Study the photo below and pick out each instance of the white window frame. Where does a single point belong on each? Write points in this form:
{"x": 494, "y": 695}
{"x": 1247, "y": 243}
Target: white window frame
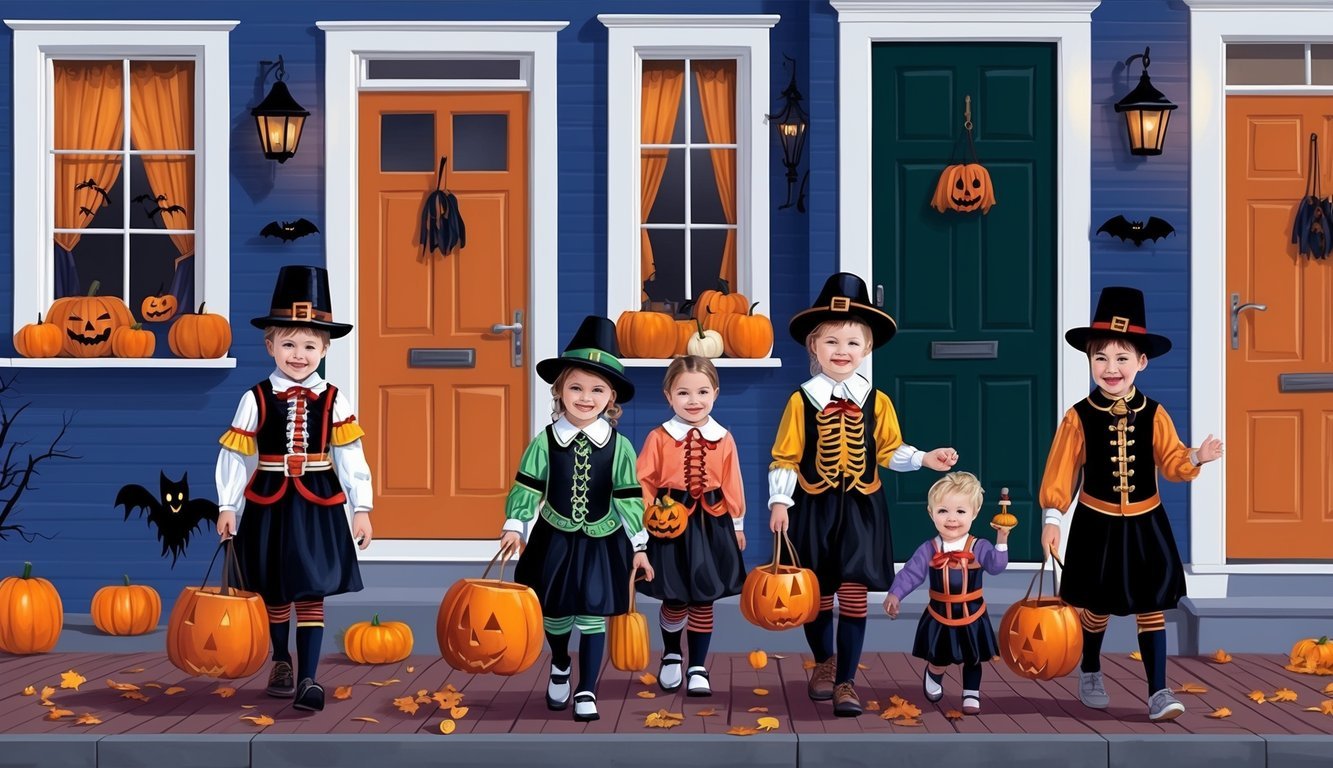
{"x": 36, "y": 44}
{"x": 635, "y": 37}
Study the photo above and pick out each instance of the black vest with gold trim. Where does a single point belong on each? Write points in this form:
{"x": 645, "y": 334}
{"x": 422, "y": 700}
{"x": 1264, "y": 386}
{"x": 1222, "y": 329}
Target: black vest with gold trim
{"x": 1118, "y": 465}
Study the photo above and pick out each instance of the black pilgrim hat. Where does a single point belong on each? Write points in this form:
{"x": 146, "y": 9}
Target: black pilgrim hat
{"x": 593, "y": 348}
{"x": 301, "y": 300}
{"x": 844, "y": 297}
{"x": 1120, "y": 315}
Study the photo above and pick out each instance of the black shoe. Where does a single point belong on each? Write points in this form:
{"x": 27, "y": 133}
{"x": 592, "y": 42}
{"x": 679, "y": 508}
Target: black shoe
{"x": 585, "y": 707}
{"x": 309, "y": 696}
{"x": 557, "y": 689}
{"x": 281, "y": 682}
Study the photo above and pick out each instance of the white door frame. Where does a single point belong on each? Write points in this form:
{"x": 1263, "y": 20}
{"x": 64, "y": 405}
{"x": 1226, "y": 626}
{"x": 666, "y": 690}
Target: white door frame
{"x": 347, "y": 47}
{"x": 1213, "y": 23}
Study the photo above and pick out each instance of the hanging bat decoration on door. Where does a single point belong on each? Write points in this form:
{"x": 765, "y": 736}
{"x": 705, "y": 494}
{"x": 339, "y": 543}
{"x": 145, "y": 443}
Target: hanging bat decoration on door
{"x": 1137, "y": 231}
{"x": 171, "y": 511}
{"x": 289, "y": 230}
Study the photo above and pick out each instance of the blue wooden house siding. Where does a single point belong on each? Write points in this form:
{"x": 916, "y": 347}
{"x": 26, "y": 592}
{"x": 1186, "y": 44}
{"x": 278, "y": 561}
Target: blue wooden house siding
{"x": 130, "y": 423}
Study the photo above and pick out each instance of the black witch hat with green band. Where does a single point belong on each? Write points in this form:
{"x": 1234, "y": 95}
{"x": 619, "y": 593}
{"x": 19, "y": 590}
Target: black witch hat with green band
{"x": 593, "y": 348}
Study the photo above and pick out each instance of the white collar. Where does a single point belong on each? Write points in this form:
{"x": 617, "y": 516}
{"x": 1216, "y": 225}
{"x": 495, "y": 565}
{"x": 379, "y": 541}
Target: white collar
{"x": 598, "y": 432}
{"x": 951, "y": 546}
{"x": 711, "y": 430}
{"x": 313, "y": 382}
{"x": 821, "y": 389}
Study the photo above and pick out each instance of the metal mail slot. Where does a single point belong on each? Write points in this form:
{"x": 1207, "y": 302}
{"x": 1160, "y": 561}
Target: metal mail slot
{"x": 442, "y": 358}
{"x": 964, "y": 350}
{"x": 1305, "y": 382}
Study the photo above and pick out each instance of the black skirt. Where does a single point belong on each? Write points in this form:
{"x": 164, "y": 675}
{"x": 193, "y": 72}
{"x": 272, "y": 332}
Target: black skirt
{"x": 942, "y": 645}
{"x": 575, "y": 574}
{"x": 701, "y": 565}
{"x": 296, "y": 550}
{"x": 844, "y": 538}
{"x": 1122, "y": 565}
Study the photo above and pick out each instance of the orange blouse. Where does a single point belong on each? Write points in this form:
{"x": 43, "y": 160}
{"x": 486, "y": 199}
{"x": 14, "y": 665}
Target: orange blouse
{"x": 663, "y": 463}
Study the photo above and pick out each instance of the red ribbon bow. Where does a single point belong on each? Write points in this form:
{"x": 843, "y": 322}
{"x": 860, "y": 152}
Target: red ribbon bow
{"x": 846, "y": 406}
{"x": 292, "y": 392}
{"x": 948, "y": 559}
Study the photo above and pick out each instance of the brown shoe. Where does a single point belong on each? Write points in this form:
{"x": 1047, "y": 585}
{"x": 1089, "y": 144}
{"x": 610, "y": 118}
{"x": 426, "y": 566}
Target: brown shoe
{"x": 845, "y": 702}
{"x": 821, "y": 679}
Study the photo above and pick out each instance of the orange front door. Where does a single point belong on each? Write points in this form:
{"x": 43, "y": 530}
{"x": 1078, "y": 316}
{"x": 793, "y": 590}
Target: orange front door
{"x": 444, "y": 397}
{"x": 1279, "y": 429}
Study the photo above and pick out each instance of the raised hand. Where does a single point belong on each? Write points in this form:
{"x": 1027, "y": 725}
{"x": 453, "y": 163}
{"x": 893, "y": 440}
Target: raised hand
{"x": 1209, "y": 450}
{"x": 940, "y": 459}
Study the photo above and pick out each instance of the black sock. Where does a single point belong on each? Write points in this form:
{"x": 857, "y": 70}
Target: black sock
{"x": 559, "y": 649}
{"x": 671, "y": 639}
{"x": 851, "y": 635}
{"x": 819, "y": 634}
{"x": 591, "y": 647}
{"x": 1152, "y": 646}
{"x": 972, "y": 677}
{"x": 1092, "y": 651}
{"x": 308, "y": 640}
{"x": 279, "y": 632}
{"x": 699, "y": 648}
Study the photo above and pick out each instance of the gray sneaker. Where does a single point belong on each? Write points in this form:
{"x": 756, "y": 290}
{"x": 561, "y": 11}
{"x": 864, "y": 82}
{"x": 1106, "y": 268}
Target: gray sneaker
{"x": 1092, "y": 691}
{"x": 1163, "y": 706}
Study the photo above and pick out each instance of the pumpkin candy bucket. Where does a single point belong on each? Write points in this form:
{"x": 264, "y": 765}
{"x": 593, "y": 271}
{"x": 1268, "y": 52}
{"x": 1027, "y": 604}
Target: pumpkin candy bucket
{"x": 627, "y": 636}
{"x": 490, "y": 625}
{"x": 221, "y": 631}
{"x": 1040, "y": 638}
{"x": 777, "y": 596}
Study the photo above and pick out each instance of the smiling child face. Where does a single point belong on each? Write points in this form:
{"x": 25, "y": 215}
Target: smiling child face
{"x": 839, "y": 349}
{"x": 297, "y": 353}
{"x": 584, "y": 396}
{"x": 1114, "y": 368}
{"x": 953, "y": 515}
{"x": 691, "y": 396}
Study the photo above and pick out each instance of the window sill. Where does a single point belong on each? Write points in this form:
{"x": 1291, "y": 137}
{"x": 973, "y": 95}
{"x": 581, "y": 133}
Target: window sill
{"x": 116, "y": 362}
{"x": 720, "y": 362}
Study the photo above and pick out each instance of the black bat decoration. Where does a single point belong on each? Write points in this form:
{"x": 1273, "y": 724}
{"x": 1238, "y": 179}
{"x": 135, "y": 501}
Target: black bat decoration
{"x": 85, "y": 210}
{"x": 1137, "y": 231}
{"x": 289, "y": 230}
{"x": 159, "y": 209}
{"x": 174, "y": 513}
{"x": 92, "y": 184}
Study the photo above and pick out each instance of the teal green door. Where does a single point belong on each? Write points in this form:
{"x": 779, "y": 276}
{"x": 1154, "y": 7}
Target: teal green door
{"x": 973, "y": 363}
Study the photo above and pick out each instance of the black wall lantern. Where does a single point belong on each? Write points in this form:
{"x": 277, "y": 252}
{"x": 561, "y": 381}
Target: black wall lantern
{"x": 792, "y": 123}
{"x": 279, "y": 117}
{"x": 1146, "y": 111}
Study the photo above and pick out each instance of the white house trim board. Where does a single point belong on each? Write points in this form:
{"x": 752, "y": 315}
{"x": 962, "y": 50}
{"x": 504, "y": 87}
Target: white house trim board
{"x": 36, "y": 42}
{"x": 633, "y": 37}
{"x": 1213, "y": 24}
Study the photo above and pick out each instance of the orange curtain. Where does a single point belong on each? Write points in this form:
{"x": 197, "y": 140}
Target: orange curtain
{"x": 662, "y": 84}
{"x": 162, "y": 117}
{"x": 717, "y": 94}
{"x": 89, "y": 96}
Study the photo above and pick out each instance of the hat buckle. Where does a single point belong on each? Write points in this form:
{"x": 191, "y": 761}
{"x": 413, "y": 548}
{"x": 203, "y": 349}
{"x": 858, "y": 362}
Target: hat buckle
{"x": 302, "y": 310}
{"x": 1119, "y": 324}
{"x": 840, "y": 304}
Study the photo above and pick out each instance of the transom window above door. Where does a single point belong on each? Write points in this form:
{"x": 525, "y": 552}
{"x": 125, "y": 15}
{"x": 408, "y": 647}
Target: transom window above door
{"x": 1295, "y": 64}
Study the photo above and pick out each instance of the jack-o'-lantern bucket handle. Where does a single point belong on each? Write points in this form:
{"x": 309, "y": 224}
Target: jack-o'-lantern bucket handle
{"x": 1037, "y": 577}
{"x": 779, "y": 538}
{"x": 229, "y": 568}
{"x": 635, "y": 576}
{"x": 503, "y": 563}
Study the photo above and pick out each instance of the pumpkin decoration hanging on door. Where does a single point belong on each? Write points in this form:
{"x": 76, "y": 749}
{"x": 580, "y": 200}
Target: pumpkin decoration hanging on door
{"x": 965, "y": 187}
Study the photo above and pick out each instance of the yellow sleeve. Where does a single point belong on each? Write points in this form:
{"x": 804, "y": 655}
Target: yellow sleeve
{"x": 347, "y": 432}
{"x": 236, "y": 440}
{"x": 1063, "y": 464}
{"x": 888, "y": 436}
{"x": 1171, "y": 455}
{"x": 790, "y": 442}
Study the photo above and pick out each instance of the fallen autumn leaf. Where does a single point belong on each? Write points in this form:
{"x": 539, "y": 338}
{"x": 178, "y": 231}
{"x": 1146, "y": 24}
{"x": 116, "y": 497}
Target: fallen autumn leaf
{"x": 173, "y": 690}
{"x": 342, "y": 692}
{"x": 366, "y": 719}
{"x": 72, "y": 679}
{"x": 768, "y": 724}
{"x": 1220, "y": 657}
{"x": 225, "y": 692}
{"x": 261, "y": 721}
{"x": 407, "y": 705}
{"x": 1220, "y": 712}
{"x": 87, "y": 719}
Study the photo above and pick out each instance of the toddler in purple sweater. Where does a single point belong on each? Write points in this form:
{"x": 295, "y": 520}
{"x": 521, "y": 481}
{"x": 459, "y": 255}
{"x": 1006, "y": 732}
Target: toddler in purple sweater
{"x": 954, "y": 628}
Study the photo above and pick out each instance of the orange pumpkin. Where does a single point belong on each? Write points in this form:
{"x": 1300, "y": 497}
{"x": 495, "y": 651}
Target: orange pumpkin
{"x": 779, "y": 596}
{"x": 1040, "y": 638}
{"x": 87, "y": 322}
{"x": 373, "y": 642}
{"x": 1005, "y": 520}
{"x": 31, "y": 614}
{"x": 218, "y": 632}
{"x": 758, "y": 659}
{"x": 964, "y": 188}
{"x": 1311, "y": 655}
{"x": 200, "y": 335}
{"x": 159, "y": 308}
{"x": 747, "y": 334}
{"x": 666, "y": 519}
{"x": 684, "y": 332}
{"x": 128, "y": 609}
{"x": 133, "y": 341}
{"x": 719, "y": 302}
{"x": 646, "y": 334}
{"x": 44, "y": 339}
{"x": 489, "y": 626}
{"x": 627, "y": 636}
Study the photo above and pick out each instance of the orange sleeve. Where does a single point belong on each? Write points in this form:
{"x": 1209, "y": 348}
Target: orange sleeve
{"x": 733, "y": 493}
{"x": 648, "y": 467}
{"x": 790, "y": 442}
{"x": 1171, "y": 455}
{"x": 1063, "y": 464}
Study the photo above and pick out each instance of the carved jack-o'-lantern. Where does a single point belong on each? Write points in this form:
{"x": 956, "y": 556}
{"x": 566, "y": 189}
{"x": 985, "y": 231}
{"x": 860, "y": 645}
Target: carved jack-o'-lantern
{"x": 489, "y": 626}
{"x": 159, "y": 308}
{"x": 779, "y": 596}
{"x": 666, "y": 519}
{"x": 218, "y": 632}
{"x": 1040, "y": 638}
{"x": 87, "y": 322}
{"x": 964, "y": 188}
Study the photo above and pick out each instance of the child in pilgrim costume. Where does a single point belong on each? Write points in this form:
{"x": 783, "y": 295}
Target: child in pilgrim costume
{"x": 578, "y": 499}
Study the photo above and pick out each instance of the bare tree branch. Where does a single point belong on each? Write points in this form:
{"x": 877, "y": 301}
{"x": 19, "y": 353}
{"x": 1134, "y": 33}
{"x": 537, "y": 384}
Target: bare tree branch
{"x": 17, "y": 471}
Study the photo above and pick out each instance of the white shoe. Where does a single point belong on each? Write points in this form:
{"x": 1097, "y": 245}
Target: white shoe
{"x": 668, "y": 675}
{"x": 585, "y": 707}
{"x": 698, "y": 685}
{"x": 557, "y": 689}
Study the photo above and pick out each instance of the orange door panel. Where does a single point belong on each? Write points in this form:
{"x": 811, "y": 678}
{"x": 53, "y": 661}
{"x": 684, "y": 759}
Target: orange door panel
{"x": 1279, "y": 443}
{"x": 444, "y": 401}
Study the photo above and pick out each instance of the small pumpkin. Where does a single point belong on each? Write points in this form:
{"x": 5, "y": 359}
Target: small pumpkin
{"x": 1312, "y": 655}
{"x": 666, "y": 519}
{"x": 200, "y": 335}
{"x": 87, "y": 322}
{"x": 489, "y": 626}
{"x": 747, "y": 335}
{"x": 31, "y": 614}
{"x": 646, "y": 334}
{"x": 964, "y": 188}
{"x": 126, "y": 609}
{"x": 758, "y": 659}
{"x": 1005, "y": 520}
{"x": 159, "y": 308}
{"x": 705, "y": 343}
{"x": 376, "y": 642}
{"x": 1040, "y": 638}
{"x": 719, "y": 302}
{"x": 41, "y": 339}
{"x": 627, "y": 636}
{"x": 218, "y": 632}
{"x": 133, "y": 341}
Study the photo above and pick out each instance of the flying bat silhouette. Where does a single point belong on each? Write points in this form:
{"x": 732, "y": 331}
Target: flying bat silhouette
{"x": 173, "y": 512}
{"x": 92, "y": 184}
{"x": 1136, "y": 231}
{"x": 289, "y": 230}
{"x": 160, "y": 208}
{"x": 85, "y": 210}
